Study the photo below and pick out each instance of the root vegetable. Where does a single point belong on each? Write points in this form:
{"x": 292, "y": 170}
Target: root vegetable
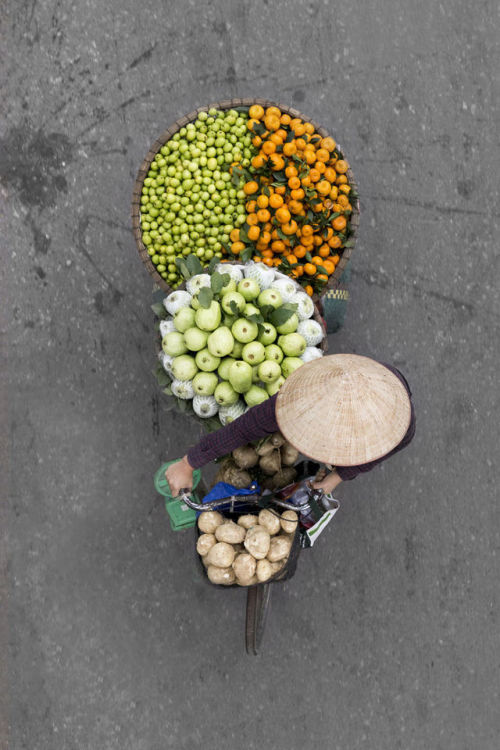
{"x": 264, "y": 570}
{"x": 244, "y": 567}
{"x": 205, "y": 543}
{"x": 277, "y": 439}
{"x": 277, "y": 566}
{"x": 269, "y": 521}
{"x": 289, "y": 454}
{"x": 279, "y": 548}
{"x": 247, "y": 521}
{"x": 271, "y": 463}
{"x": 209, "y": 520}
{"x": 232, "y": 474}
{"x": 283, "y": 478}
{"x": 289, "y": 521}
{"x": 245, "y": 456}
{"x": 223, "y": 576}
{"x": 221, "y": 555}
{"x": 230, "y": 532}
{"x": 257, "y": 542}
{"x": 264, "y": 448}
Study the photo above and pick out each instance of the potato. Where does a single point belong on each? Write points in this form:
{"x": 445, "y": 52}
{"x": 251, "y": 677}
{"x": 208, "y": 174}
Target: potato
{"x": 230, "y": 532}
{"x": 204, "y": 544}
{"x": 277, "y": 439}
{"x": 277, "y": 566}
{"x": 289, "y": 521}
{"x": 279, "y": 548}
{"x": 247, "y": 521}
{"x": 271, "y": 463}
{"x": 265, "y": 447}
{"x": 264, "y": 570}
{"x": 221, "y": 555}
{"x": 245, "y": 456}
{"x": 209, "y": 520}
{"x": 224, "y": 576}
{"x": 257, "y": 542}
{"x": 244, "y": 567}
{"x": 289, "y": 454}
{"x": 283, "y": 478}
{"x": 269, "y": 521}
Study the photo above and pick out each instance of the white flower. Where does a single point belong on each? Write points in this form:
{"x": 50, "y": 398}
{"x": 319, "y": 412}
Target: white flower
{"x": 263, "y": 275}
{"x": 176, "y": 300}
{"x": 286, "y": 287}
{"x": 183, "y": 389}
{"x": 312, "y": 331}
{"x": 166, "y": 362}
{"x": 310, "y": 353}
{"x": 194, "y": 284}
{"x": 228, "y": 414}
{"x": 305, "y": 305}
{"x": 233, "y": 271}
{"x": 205, "y": 406}
{"x": 166, "y": 326}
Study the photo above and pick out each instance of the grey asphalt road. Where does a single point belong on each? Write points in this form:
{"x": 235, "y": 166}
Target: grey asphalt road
{"x": 388, "y": 637}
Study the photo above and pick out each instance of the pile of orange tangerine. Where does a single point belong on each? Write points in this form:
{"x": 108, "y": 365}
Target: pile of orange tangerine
{"x": 297, "y": 208}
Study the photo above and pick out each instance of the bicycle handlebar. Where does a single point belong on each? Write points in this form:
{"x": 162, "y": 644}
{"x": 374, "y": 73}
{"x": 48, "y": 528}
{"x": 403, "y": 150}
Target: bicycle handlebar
{"x": 234, "y": 499}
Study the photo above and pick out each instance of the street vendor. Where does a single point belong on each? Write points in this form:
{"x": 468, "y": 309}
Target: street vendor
{"x": 346, "y": 411}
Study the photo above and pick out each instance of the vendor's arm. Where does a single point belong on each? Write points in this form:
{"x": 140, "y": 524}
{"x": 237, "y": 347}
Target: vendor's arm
{"x": 257, "y": 422}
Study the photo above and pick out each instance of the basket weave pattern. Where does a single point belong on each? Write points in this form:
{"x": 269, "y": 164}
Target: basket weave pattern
{"x": 174, "y": 128}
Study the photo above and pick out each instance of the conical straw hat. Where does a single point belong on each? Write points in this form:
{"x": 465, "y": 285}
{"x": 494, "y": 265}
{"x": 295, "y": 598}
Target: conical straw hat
{"x": 343, "y": 410}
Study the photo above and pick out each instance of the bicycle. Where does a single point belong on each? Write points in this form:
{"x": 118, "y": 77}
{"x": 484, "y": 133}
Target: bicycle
{"x": 259, "y": 594}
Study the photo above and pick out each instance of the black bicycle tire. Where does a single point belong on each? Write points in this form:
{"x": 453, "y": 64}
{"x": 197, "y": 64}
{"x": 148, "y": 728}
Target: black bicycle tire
{"x": 258, "y": 599}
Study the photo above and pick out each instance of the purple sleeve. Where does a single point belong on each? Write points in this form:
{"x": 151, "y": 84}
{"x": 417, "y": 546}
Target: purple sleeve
{"x": 256, "y": 423}
{"x": 351, "y": 472}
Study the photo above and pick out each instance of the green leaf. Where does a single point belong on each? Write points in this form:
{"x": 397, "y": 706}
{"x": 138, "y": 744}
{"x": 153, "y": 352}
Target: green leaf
{"x": 162, "y": 377}
{"x": 258, "y": 129}
{"x": 308, "y": 257}
{"x": 315, "y": 139}
{"x": 168, "y": 390}
{"x": 244, "y": 233}
{"x": 266, "y": 310}
{"x": 213, "y": 262}
{"x": 266, "y": 191}
{"x": 216, "y": 282}
{"x": 280, "y": 316}
{"x": 205, "y": 296}
{"x": 290, "y": 136}
{"x": 349, "y": 243}
{"x": 159, "y": 310}
{"x": 255, "y": 318}
{"x": 246, "y": 254}
{"x": 291, "y": 305}
{"x": 280, "y": 176}
{"x": 234, "y": 307}
{"x": 181, "y": 265}
{"x": 193, "y": 264}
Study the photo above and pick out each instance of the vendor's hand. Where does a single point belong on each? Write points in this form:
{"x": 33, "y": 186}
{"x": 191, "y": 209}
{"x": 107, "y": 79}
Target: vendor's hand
{"x": 179, "y": 476}
{"x": 329, "y": 483}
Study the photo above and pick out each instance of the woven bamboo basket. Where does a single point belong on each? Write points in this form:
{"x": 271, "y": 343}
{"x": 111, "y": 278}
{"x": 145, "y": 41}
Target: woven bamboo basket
{"x": 334, "y": 279}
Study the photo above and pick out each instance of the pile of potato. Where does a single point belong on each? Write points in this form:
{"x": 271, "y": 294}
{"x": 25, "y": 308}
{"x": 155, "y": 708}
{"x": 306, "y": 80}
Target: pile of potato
{"x": 250, "y": 551}
{"x": 270, "y": 462}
